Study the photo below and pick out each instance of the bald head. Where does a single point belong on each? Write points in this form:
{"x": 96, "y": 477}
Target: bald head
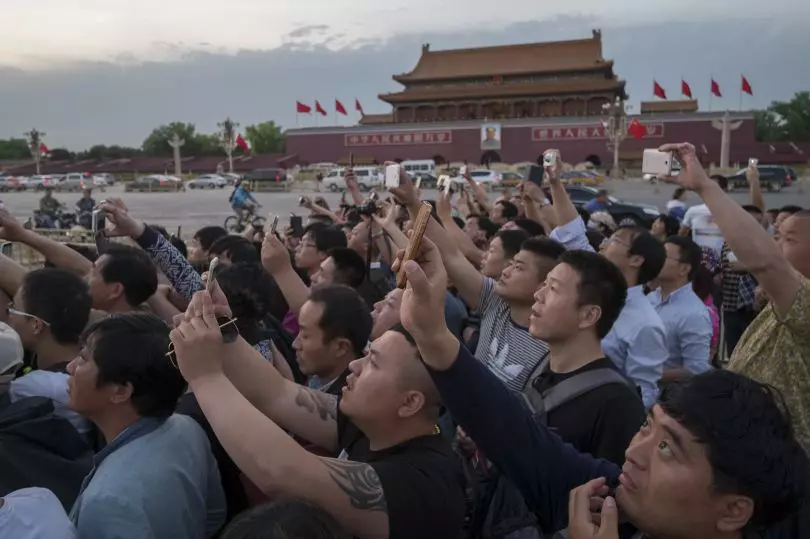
{"x": 413, "y": 375}
{"x": 794, "y": 241}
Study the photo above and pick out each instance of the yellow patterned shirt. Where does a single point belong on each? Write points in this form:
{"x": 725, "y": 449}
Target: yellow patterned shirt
{"x": 776, "y": 351}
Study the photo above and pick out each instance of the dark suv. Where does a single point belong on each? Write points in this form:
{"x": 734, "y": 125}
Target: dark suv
{"x": 267, "y": 175}
{"x": 771, "y": 177}
{"x": 620, "y": 210}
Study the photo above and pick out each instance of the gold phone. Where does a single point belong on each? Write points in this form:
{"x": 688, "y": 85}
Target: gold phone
{"x": 212, "y": 268}
{"x": 415, "y": 241}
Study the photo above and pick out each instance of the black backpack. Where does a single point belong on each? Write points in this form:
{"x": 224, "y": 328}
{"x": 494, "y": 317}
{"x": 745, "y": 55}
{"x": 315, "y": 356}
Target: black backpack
{"x": 497, "y": 509}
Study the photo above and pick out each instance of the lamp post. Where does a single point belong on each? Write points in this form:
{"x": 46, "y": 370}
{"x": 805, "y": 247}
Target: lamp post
{"x": 616, "y": 129}
{"x": 35, "y": 145}
{"x": 176, "y": 143}
{"x": 228, "y": 139}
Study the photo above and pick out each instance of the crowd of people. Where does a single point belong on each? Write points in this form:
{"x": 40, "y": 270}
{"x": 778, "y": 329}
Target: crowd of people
{"x": 546, "y": 372}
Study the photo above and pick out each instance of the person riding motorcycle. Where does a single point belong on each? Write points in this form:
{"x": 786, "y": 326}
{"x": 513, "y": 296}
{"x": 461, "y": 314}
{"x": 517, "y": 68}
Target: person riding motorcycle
{"x": 84, "y": 208}
{"x": 240, "y": 199}
{"x": 49, "y": 208}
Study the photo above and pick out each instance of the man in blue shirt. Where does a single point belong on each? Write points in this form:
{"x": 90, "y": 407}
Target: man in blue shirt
{"x": 240, "y": 198}
{"x": 156, "y": 477}
{"x": 716, "y": 457}
{"x": 598, "y": 203}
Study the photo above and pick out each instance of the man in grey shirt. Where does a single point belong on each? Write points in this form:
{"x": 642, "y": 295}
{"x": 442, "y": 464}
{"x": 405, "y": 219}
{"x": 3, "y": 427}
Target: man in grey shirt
{"x": 156, "y": 477}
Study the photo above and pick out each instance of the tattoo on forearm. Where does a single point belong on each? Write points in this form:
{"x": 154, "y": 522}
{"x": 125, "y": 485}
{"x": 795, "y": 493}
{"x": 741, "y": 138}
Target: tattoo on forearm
{"x": 360, "y": 483}
{"x": 315, "y": 402}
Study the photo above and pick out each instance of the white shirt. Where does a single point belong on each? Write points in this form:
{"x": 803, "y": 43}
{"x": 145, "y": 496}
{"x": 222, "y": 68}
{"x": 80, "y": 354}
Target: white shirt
{"x": 34, "y": 513}
{"x": 675, "y": 203}
{"x": 705, "y": 231}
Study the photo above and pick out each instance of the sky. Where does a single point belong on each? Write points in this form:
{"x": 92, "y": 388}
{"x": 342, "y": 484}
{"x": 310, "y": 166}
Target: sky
{"x": 93, "y": 71}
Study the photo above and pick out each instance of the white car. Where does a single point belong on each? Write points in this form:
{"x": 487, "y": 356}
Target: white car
{"x": 210, "y": 181}
{"x": 367, "y": 178}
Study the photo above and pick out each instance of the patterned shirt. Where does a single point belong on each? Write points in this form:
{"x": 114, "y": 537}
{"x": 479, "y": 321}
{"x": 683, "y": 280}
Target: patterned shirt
{"x": 776, "y": 350}
{"x": 738, "y": 286}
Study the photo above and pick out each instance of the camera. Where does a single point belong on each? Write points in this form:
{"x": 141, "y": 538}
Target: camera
{"x": 368, "y": 208}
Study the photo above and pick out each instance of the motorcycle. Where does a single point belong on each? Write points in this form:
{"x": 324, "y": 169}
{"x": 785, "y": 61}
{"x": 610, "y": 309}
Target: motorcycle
{"x": 61, "y": 220}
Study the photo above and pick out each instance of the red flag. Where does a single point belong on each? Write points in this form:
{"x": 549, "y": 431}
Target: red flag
{"x": 746, "y": 86}
{"x": 358, "y": 107}
{"x": 319, "y": 109}
{"x": 43, "y": 148}
{"x": 636, "y": 129}
{"x": 339, "y": 108}
{"x": 716, "y": 89}
{"x": 240, "y": 143}
{"x": 300, "y": 108}
{"x": 685, "y": 89}
{"x": 658, "y": 91}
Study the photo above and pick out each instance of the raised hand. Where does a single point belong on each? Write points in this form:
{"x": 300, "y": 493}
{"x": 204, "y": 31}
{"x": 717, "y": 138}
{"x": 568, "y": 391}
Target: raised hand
{"x": 197, "y": 341}
{"x": 275, "y": 256}
{"x": 118, "y": 216}
{"x": 10, "y": 228}
{"x": 406, "y": 194}
{"x": 422, "y": 308}
{"x": 553, "y": 171}
{"x": 692, "y": 175}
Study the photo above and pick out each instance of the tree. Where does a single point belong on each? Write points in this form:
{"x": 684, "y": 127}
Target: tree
{"x": 265, "y": 137}
{"x": 785, "y": 120}
{"x": 14, "y": 148}
{"x": 157, "y": 143}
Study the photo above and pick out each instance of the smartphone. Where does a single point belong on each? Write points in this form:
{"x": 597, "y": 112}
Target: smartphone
{"x": 536, "y": 173}
{"x": 392, "y": 176}
{"x": 418, "y": 182}
{"x": 731, "y": 257}
{"x": 297, "y": 225}
{"x": 212, "y": 275}
{"x": 179, "y": 232}
{"x": 550, "y": 158}
{"x": 753, "y": 162}
{"x": 97, "y": 221}
{"x": 463, "y": 171}
{"x": 274, "y": 225}
{"x": 419, "y": 227}
{"x": 102, "y": 242}
{"x": 657, "y": 163}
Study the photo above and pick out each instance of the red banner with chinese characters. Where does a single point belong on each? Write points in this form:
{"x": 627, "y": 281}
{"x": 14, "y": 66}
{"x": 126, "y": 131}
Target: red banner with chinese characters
{"x": 586, "y": 132}
{"x": 400, "y": 139}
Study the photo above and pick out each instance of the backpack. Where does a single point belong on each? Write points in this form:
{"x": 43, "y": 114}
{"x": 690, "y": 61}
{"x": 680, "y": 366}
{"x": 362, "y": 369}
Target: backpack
{"x": 498, "y": 510}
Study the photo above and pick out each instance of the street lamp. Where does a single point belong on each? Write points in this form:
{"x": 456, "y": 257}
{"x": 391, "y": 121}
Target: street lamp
{"x": 228, "y": 139}
{"x": 35, "y": 145}
{"x": 616, "y": 129}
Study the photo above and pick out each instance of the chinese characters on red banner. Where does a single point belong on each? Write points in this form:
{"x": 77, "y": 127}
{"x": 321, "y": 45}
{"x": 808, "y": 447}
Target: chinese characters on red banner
{"x": 586, "y": 132}
{"x": 398, "y": 139}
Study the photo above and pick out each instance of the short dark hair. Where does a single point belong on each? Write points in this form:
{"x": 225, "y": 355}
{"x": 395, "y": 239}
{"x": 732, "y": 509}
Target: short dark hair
{"x": 238, "y": 249}
{"x": 326, "y": 237}
{"x": 207, "y": 235}
{"x": 511, "y": 240}
{"x": 131, "y": 349}
{"x": 649, "y": 248}
{"x": 543, "y": 247}
{"x": 750, "y": 208}
{"x": 133, "y": 269}
{"x": 750, "y": 444}
{"x": 791, "y": 209}
{"x": 345, "y": 315}
{"x": 485, "y": 224}
{"x": 350, "y": 268}
{"x": 678, "y": 193}
{"x": 690, "y": 253}
{"x": 508, "y": 210}
{"x": 248, "y": 289}
{"x": 703, "y": 282}
{"x": 59, "y": 297}
{"x": 671, "y": 224}
{"x": 533, "y": 228}
{"x": 601, "y": 283}
{"x": 284, "y": 519}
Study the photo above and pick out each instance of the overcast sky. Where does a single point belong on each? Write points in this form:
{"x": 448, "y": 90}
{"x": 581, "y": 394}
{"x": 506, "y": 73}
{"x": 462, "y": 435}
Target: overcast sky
{"x": 107, "y": 71}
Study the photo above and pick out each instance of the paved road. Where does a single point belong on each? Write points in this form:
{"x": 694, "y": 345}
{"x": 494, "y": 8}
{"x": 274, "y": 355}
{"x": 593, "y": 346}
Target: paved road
{"x": 194, "y": 209}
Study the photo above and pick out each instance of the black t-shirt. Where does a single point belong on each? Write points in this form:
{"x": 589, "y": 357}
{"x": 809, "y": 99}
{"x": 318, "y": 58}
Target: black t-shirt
{"x": 422, "y": 480}
{"x": 602, "y": 421}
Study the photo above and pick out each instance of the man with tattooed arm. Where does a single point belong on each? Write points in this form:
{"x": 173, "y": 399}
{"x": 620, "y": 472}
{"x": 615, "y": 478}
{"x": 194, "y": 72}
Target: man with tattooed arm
{"x": 394, "y": 475}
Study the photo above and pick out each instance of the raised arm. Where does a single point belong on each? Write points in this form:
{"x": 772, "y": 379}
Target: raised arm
{"x": 11, "y": 275}
{"x": 351, "y": 492}
{"x": 276, "y": 260}
{"x": 461, "y": 239}
{"x": 58, "y": 254}
{"x": 751, "y": 244}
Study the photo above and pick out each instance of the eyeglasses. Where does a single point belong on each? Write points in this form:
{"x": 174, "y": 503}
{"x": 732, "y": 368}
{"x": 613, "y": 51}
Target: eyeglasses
{"x": 173, "y": 357}
{"x": 11, "y": 310}
{"x": 616, "y": 240}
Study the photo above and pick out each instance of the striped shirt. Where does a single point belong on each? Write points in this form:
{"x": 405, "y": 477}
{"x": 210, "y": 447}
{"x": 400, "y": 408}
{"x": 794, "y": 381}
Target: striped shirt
{"x": 504, "y": 346}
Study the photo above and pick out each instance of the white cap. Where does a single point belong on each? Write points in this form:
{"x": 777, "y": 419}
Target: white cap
{"x": 11, "y": 349}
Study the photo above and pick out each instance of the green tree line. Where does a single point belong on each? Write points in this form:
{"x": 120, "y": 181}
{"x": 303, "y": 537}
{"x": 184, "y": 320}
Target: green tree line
{"x": 264, "y": 137}
{"x": 785, "y": 120}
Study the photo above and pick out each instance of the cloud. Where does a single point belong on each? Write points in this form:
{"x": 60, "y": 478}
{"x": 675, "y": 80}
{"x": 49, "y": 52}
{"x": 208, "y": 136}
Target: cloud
{"x": 305, "y": 31}
{"x": 120, "y": 102}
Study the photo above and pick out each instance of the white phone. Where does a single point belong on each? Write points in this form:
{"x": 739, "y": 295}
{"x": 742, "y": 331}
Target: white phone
{"x": 550, "y": 158}
{"x": 418, "y": 183}
{"x": 463, "y": 171}
{"x": 753, "y": 162}
{"x": 94, "y": 220}
{"x": 392, "y": 176}
{"x": 443, "y": 183}
{"x": 657, "y": 163}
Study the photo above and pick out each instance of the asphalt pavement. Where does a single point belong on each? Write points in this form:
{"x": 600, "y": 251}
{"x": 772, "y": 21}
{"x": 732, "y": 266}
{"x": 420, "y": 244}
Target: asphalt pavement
{"x": 195, "y": 209}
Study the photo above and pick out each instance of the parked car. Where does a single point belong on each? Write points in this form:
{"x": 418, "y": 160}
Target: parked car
{"x": 367, "y": 178}
{"x": 231, "y": 177}
{"x": 771, "y": 177}
{"x": 104, "y": 179}
{"x": 267, "y": 175}
{"x": 12, "y": 183}
{"x": 74, "y": 181}
{"x": 582, "y": 177}
{"x": 486, "y": 177}
{"x": 620, "y": 210}
{"x": 155, "y": 181}
{"x": 207, "y": 181}
{"x": 511, "y": 179}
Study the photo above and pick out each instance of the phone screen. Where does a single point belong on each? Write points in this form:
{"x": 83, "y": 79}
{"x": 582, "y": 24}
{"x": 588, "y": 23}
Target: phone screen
{"x": 297, "y": 225}
{"x": 536, "y": 175}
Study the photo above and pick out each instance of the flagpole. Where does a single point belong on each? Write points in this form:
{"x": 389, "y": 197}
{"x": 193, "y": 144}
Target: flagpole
{"x": 711, "y": 93}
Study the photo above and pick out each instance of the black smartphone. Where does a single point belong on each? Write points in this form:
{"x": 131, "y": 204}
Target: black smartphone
{"x": 536, "y": 175}
{"x": 297, "y": 225}
{"x": 102, "y": 242}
